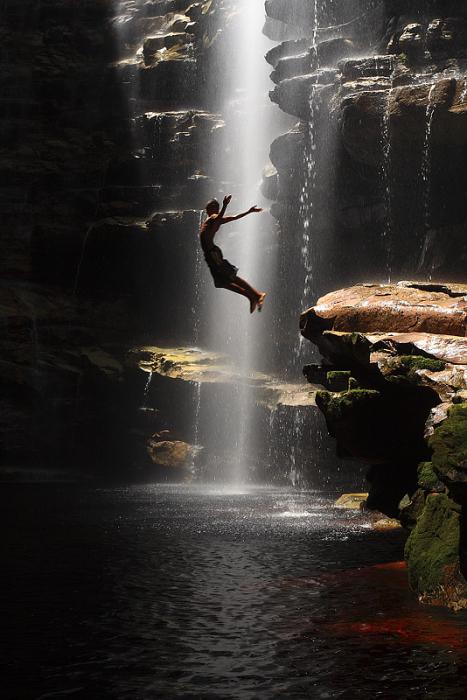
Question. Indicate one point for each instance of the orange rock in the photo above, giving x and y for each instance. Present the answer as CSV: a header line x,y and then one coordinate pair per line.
x,y
400,308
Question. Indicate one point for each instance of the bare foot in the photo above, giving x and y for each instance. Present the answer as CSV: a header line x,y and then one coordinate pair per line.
x,y
261,299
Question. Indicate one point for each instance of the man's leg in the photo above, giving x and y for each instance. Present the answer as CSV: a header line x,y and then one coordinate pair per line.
x,y
252,293
233,287
240,286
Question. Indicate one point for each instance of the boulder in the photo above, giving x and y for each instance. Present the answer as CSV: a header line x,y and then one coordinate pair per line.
x,y
368,67
351,501
286,149
173,454
402,308
292,47
412,41
293,95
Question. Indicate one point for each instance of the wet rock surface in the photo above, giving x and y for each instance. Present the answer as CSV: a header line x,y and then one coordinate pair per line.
x,y
404,412
391,124
179,381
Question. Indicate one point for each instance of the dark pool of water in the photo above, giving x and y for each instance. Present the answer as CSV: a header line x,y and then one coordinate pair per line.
x,y
185,592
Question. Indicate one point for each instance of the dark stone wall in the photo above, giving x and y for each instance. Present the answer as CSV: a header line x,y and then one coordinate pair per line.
x,y
104,164
376,161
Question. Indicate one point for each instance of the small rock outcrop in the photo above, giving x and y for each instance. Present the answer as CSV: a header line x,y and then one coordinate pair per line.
x,y
395,371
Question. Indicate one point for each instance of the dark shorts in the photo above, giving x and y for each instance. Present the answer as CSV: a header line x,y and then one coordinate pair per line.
x,y
222,271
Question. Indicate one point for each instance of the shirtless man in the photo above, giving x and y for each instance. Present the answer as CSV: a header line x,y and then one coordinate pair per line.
x,y
223,272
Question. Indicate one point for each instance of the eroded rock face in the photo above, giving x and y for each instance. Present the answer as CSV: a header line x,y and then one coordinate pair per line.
x,y
389,133
107,129
396,377
187,385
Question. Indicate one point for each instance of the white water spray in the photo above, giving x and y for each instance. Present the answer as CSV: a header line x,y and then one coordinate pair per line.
x,y
246,111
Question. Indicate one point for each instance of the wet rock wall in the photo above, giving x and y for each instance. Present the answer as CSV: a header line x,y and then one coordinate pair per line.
x,y
106,138
376,161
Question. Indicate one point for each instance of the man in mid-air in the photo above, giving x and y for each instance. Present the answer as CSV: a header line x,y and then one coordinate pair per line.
x,y
223,272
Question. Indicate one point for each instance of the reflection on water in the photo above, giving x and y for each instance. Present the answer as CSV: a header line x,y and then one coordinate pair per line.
x,y
185,592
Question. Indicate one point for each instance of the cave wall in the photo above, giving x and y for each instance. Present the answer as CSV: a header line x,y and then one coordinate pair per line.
x,y
107,132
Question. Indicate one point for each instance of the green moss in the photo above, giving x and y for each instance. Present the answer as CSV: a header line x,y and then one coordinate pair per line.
x,y
338,380
403,369
353,383
414,362
427,478
449,445
338,406
338,374
411,508
433,544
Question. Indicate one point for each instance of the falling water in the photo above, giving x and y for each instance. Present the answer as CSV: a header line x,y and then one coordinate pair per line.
x,y
386,167
307,212
426,161
196,306
426,179
147,387
306,215
463,96
196,330
246,111
307,199
196,425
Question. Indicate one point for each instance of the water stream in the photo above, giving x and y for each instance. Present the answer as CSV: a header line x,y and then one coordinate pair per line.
x,y
426,160
386,172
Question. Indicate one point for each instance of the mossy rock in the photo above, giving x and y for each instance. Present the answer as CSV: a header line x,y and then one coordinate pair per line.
x,y
404,367
428,479
414,362
411,508
338,406
338,380
449,445
346,349
432,550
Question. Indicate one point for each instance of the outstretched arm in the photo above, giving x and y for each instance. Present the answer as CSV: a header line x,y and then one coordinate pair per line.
x,y
225,204
228,219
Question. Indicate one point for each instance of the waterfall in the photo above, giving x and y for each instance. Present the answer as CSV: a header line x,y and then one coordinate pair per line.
x,y
386,168
306,212
246,110
426,160
146,389
196,307
196,427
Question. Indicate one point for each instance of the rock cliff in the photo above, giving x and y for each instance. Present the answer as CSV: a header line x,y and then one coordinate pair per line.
x,y
395,368
106,131
376,160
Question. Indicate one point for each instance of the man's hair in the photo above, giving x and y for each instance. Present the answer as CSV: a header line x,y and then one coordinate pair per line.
x,y
213,204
